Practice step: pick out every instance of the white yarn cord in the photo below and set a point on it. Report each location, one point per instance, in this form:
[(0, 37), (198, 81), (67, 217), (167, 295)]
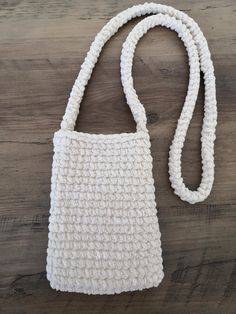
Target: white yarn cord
[(198, 51), (209, 124)]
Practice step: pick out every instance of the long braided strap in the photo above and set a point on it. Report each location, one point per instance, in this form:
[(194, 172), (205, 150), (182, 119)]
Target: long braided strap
[(199, 59), (209, 123)]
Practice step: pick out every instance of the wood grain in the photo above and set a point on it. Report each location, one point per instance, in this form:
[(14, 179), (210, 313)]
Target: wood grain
[(42, 44)]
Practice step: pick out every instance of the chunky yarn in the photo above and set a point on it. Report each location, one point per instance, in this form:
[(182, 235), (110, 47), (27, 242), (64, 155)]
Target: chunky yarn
[(104, 235)]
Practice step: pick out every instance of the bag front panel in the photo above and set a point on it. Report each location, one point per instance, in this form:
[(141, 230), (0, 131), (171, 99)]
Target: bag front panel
[(103, 234)]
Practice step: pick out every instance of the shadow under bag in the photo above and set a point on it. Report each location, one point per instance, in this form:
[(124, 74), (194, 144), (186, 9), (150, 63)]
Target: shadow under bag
[(104, 235)]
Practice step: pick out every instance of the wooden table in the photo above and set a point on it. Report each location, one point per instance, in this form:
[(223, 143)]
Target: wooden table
[(42, 45)]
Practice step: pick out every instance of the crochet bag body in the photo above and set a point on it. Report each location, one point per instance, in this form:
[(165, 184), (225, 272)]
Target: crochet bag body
[(104, 235)]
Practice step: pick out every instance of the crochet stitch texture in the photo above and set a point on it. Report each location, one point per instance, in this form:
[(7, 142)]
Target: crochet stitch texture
[(104, 235)]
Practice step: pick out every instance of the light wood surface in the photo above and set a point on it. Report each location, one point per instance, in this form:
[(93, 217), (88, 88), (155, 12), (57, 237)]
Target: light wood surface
[(42, 45)]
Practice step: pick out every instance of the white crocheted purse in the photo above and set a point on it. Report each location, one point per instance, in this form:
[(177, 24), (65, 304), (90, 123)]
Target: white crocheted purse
[(104, 234)]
